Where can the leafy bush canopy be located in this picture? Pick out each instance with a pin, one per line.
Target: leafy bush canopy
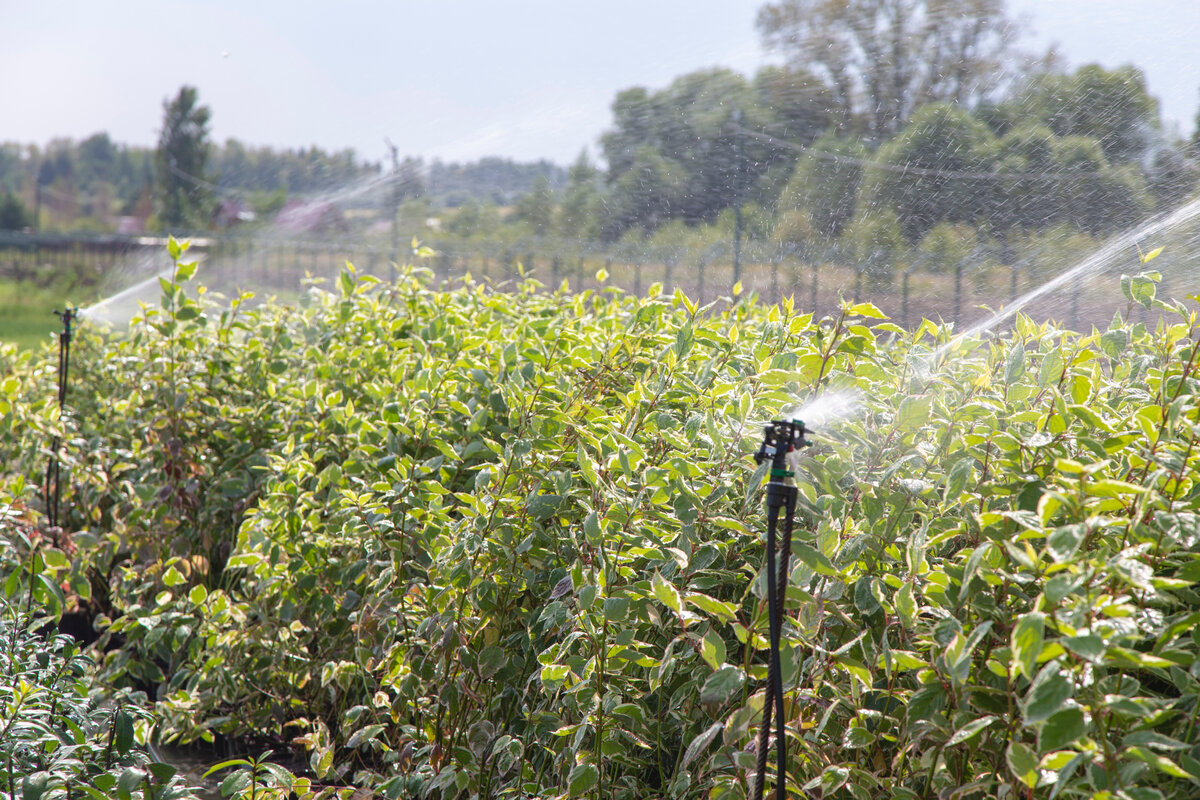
(460, 542)
(58, 739)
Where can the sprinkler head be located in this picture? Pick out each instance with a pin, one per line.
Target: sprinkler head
(781, 437)
(68, 316)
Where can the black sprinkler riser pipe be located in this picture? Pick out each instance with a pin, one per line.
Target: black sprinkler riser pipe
(780, 438)
(53, 487)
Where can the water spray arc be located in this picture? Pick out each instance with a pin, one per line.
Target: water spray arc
(781, 438)
(52, 489)
(1081, 270)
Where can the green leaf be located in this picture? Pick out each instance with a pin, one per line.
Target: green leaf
(901, 660)
(346, 281)
(865, 310)
(1023, 764)
(1153, 254)
(130, 778)
(913, 413)
(591, 529)
(581, 779)
(684, 339)
(813, 559)
(970, 730)
(1062, 729)
(223, 765)
(1161, 763)
(857, 738)
(1114, 343)
(173, 578)
(722, 685)
(1087, 646)
(906, 606)
(957, 477)
(55, 559)
(554, 673)
(587, 465)
(1064, 542)
(1052, 368)
(667, 594)
(491, 659)
(1027, 637)
(697, 745)
(726, 612)
(616, 608)
(543, 506)
(1046, 697)
(865, 595)
(34, 786)
(712, 649)
(185, 270)
(1014, 367)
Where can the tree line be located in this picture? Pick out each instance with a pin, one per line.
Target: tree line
(892, 128)
(886, 123)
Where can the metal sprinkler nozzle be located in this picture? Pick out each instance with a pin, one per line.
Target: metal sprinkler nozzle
(68, 317)
(781, 437)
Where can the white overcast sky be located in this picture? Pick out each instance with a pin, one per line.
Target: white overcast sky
(455, 79)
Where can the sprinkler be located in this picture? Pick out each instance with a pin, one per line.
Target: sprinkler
(52, 488)
(780, 439)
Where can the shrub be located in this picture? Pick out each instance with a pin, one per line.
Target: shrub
(463, 543)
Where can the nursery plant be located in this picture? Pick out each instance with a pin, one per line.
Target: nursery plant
(493, 541)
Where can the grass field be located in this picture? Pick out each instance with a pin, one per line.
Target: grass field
(27, 313)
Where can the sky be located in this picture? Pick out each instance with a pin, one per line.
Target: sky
(452, 79)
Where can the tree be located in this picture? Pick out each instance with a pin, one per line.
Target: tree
(884, 59)
(13, 215)
(181, 161)
(97, 160)
(678, 153)
(645, 195)
(1111, 106)
(536, 207)
(1027, 198)
(825, 184)
(801, 102)
(929, 172)
(1093, 195)
(578, 215)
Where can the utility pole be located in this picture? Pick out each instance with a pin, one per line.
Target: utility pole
(737, 195)
(395, 206)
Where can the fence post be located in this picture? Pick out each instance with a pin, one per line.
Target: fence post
(904, 299)
(813, 300)
(775, 259)
(958, 271)
(1075, 289)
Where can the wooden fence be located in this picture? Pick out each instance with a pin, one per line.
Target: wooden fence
(817, 280)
